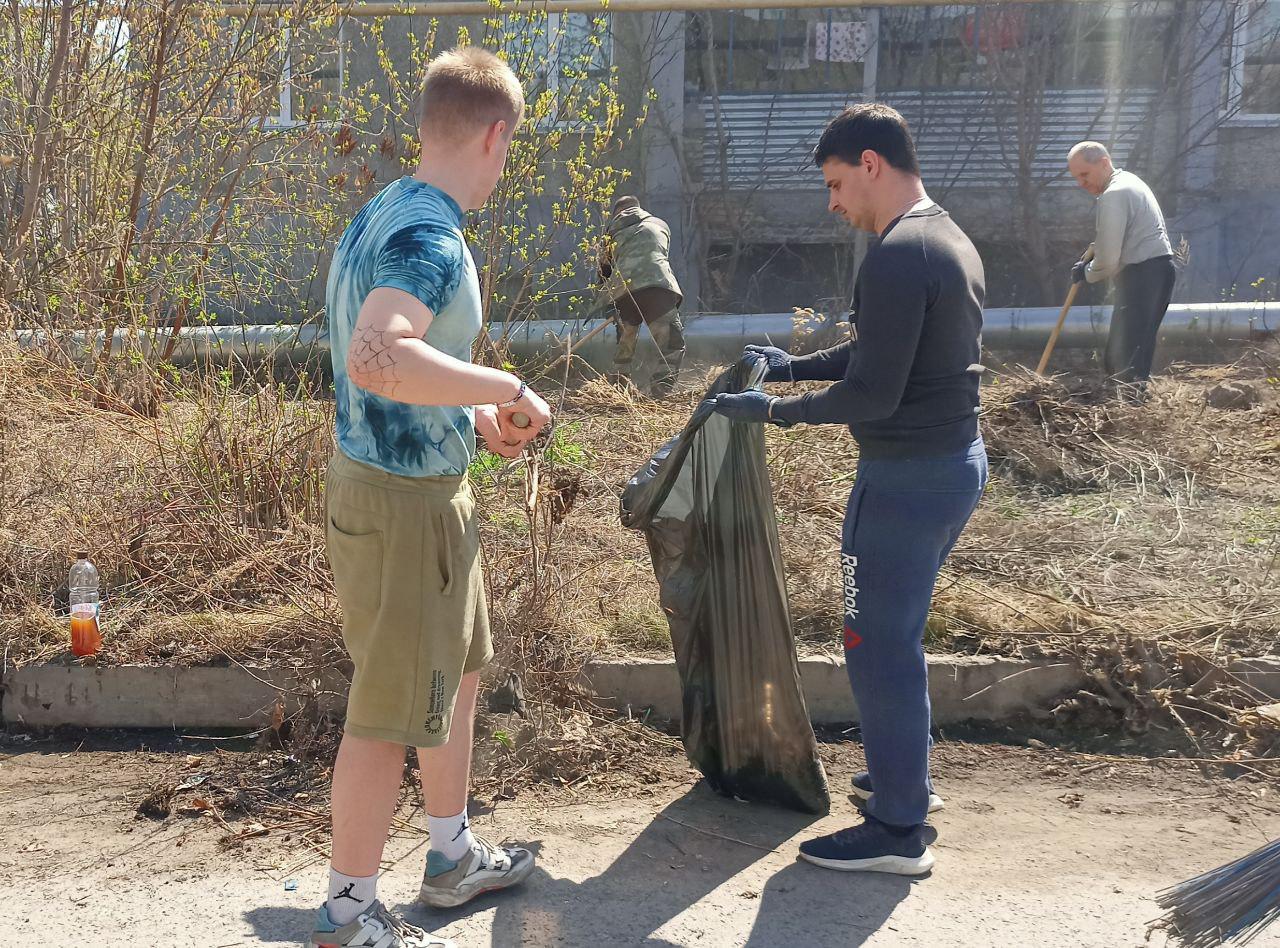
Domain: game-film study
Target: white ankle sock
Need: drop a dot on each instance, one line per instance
(450, 835)
(349, 896)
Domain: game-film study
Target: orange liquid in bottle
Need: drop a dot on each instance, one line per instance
(86, 637)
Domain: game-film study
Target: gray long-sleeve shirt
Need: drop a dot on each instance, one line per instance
(1130, 227)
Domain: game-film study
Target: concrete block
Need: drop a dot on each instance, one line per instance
(1262, 674)
(146, 697)
(639, 682)
(961, 688)
(984, 688)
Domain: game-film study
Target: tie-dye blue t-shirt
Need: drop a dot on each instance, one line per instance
(409, 238)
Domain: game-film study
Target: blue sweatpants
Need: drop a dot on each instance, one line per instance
(903, 518)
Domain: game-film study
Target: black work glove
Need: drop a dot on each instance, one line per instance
(778, 361)
(751, 406)
(1077, 271)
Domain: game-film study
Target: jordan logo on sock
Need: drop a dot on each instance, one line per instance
(346, 893)
(465, 826)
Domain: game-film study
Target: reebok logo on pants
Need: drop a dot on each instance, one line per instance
(849, 567)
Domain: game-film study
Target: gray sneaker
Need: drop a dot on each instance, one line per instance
(373, 928)
(485, 868)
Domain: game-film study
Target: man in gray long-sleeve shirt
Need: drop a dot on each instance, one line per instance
(1131, 248)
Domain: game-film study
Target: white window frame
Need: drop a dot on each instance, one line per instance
(284, 119)
(554, 63)
(1240, 37)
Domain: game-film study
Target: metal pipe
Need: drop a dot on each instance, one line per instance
(483, 8)
(1206, 327)
(709, 338)
(1185, 325)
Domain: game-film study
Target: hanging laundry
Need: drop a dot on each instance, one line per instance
(840, 41)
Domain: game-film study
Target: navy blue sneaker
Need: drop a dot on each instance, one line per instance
(870, 847)
(862, 793)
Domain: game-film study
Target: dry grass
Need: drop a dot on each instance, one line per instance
(1106, 527)
(1109, 520)
(201, 511)
(1102, 520)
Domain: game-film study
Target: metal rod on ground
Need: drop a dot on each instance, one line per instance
(1062, 318)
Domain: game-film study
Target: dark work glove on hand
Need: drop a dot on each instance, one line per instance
(778, 360)
(749, 406)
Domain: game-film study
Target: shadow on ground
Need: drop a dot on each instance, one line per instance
(671, 866)
(805, 905)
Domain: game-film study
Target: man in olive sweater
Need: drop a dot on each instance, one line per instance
(637, 280)
(1131, 248)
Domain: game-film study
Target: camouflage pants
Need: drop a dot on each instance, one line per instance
(668, 334)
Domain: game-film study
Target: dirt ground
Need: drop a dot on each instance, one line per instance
(1036, 846)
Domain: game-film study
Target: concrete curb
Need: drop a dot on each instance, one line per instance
(962, 688)
(157, 697)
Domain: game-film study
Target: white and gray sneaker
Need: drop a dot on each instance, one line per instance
(862, 793)
(375, 927)
(484, 868)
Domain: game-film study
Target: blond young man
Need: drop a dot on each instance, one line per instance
(404, 309)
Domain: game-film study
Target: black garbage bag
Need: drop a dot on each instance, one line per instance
(706, 508)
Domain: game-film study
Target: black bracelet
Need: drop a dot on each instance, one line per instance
(519, 395)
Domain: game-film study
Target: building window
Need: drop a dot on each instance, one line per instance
(1052, 46)
(1253, 81)
(571, 52)
(312, 77)
(561, 57)
(778, 51)
(284, 76)
(111, 42)
(582, 44)
(949, 47)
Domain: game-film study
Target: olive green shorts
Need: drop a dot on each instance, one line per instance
(405, 553)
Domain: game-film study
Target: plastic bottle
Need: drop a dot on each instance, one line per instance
(86, 635)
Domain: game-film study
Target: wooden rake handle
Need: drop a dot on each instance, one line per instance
(1062, 318)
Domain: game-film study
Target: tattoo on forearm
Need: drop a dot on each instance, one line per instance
(373, 362)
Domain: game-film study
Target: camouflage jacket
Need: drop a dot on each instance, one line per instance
(636, 256)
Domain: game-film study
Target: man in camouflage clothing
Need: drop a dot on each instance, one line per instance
(636, 279)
